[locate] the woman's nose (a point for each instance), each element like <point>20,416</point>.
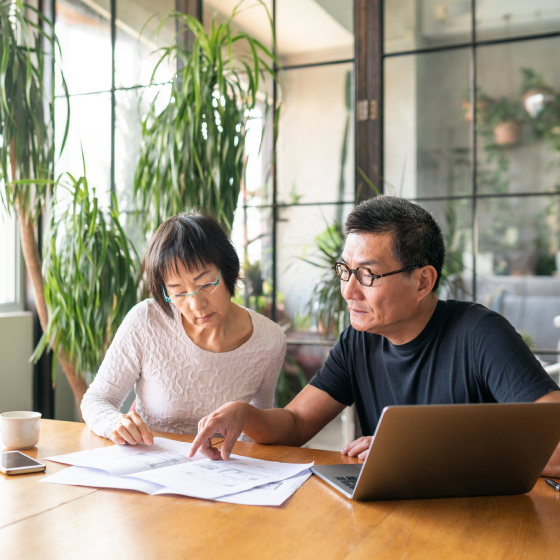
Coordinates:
<point>197,302</point>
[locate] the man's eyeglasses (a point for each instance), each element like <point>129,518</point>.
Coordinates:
<point>206,289</point>
<point>364,275</point>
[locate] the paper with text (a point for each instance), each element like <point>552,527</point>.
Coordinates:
<point>120,460</point>
<point>271,494</point>
<point>164,468</point>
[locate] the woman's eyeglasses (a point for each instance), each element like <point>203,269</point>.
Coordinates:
<point>364,275</point>
<point>205,289</point>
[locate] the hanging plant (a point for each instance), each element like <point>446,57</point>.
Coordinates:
<point>192,151</point>
<point>535,92</point>
<point>504,117</point>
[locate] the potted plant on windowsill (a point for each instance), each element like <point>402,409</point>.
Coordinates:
<point>504,117</point>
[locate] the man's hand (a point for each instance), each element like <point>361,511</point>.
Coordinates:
<point>228,420</point>
<point>130,428</point>
<point>359,447</point>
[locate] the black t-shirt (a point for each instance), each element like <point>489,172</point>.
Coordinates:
<point>465,354</point>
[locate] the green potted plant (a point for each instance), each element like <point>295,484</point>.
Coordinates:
<point>86,281</point>
<point>90,277</point>
<point>27,131</point>
<point>504,117</point>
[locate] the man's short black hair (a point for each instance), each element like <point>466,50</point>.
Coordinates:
<point>417,238</point>
<point>192,240</point>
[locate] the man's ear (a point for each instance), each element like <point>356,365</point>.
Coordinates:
<point>426,281</point>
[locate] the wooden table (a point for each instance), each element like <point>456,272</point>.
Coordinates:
<point>44,521</point>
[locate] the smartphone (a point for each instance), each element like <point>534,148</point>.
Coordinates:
<point>14,462</point>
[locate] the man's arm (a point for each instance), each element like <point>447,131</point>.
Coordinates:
<point>553,466</point>
<point>297,423</point>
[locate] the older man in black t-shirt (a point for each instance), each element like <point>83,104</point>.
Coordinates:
<point>403,346</point>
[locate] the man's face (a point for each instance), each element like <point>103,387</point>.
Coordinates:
<point>388,305</point>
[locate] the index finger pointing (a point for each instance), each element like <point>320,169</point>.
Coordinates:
<point>206,433</point>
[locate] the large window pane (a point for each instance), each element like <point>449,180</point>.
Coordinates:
<point>84,32</point>
<point>518,263</point>
<point>302,232</point>
<point>518,119</point>
<point>455,220</point>
<point>310,31</point>
<point>496,19</point>
<point>135,58</point>
<point>8,276</point>
<point>252,238</point>
<point>90,133</point>
<point>415,24</point>
<point>426,131</point>
<point>316,138</point>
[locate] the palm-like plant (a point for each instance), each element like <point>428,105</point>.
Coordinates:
<point>27,136</point>
<point>90,271</point>
<point>193,150</point>
<point>326,304</point>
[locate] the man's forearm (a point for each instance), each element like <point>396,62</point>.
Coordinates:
<point>275,426</point>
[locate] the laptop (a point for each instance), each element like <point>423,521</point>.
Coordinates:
<point>446,451</point>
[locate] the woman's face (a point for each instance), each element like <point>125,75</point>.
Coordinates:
<point>203,310</point>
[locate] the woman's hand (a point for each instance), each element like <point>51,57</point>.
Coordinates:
<point>228,420</point>
<point>130,428</point>
<point>359,447</point>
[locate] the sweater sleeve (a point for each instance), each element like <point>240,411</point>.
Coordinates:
<point>265,396</point>
<point>117,375</point>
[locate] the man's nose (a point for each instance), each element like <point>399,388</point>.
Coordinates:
<point>351,289</point>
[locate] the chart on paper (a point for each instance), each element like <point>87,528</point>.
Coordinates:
<point>225,474</point>
<point>155,459</point>
<point>214,479</point>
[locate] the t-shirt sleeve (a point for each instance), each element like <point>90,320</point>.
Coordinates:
<point>334,377</point>
<point>505,363</point>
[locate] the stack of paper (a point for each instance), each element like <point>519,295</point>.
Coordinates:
<point>164,468</point>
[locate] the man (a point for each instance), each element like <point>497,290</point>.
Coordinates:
<point>403,346</point>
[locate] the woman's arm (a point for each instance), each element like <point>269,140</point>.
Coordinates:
<point>117,375</point>
<point>264,397</point>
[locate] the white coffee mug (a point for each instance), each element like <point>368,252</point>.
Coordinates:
<point>20,430</point>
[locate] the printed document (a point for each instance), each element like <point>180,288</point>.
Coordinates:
<point>271,494</point>
<point>164,468</point>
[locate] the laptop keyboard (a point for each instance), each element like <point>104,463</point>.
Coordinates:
<point>349,481</point>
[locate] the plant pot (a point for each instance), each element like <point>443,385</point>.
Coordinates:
<point>535,101</point>
<point>481,106</point>
<point>507,133</point>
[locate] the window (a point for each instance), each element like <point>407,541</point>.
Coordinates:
<point>10,299</point>
<point>492,178</point>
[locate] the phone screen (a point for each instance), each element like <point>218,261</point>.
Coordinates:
<point>15,460</point>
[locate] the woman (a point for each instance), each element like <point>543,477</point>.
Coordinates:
<point>188,350</point>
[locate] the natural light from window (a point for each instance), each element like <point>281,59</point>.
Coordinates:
<point>7,258</point>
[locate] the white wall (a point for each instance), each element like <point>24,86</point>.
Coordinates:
<point>16,373</point>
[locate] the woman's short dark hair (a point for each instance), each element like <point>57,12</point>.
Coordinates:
<point>192,240</point>
<point>417,238</point>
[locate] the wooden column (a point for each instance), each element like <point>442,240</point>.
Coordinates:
<point>192,8</point>
<point>368,26</point>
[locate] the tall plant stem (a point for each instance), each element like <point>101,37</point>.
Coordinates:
<point>32,259</point>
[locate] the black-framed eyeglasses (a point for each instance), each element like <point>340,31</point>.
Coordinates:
<point>364,275</point>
